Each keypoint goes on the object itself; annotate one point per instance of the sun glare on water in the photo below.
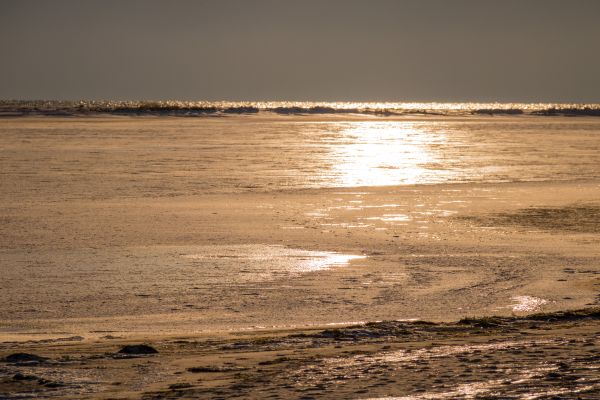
(386, 153)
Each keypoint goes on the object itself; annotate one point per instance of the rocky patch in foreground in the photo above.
(555, 355)
(138, 349)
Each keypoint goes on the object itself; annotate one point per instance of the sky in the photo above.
(320, 50)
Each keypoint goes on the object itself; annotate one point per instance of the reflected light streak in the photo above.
(387, 153)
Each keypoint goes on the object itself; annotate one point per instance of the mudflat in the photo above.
(298, 258)
(296, 290)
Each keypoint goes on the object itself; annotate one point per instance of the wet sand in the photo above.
(239, 261)
(91, 263)
(542, 356)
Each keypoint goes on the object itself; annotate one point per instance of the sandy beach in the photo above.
(271, 279)
(542, 356)
(300, 200)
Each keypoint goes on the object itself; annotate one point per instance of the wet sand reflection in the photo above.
(387, 153)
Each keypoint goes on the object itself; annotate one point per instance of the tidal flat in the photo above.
(299, 257)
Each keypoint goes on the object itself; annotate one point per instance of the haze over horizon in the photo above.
(462, 50)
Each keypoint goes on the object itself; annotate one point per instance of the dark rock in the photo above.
(23, 357)
(553, 376)
(138, 349)
(51, 384)
(176, 386)
(275, 361)
(20, 377)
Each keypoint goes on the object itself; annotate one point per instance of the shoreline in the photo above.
(557, 354)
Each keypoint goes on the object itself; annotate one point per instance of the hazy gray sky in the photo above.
(421, 50)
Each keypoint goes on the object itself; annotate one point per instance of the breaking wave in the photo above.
(15, 108)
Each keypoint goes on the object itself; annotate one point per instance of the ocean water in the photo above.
(216, 108)
(129, 157)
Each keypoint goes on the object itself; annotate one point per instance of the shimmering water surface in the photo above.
(167, 277)
(114, 157)
(212, 108)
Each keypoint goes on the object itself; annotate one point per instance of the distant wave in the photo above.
(15, 108)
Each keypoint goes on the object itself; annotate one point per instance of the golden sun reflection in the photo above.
(387, 153)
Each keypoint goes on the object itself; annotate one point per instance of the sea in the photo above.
(168, 148)
(203, 108)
